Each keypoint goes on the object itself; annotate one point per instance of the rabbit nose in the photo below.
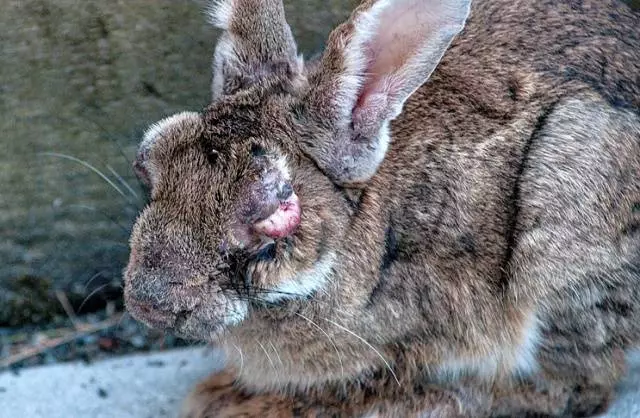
(148, 313)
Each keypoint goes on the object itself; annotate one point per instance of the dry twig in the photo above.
(66, 305)
(80, 330)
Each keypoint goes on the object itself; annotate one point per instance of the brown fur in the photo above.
(509, 197)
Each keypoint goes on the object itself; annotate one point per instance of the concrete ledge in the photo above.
(139, 386)
(154, 385)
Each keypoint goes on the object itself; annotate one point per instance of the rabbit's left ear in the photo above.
(256, 41)
(372, 64)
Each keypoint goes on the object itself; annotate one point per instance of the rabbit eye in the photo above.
(258, 151)
(212, 156)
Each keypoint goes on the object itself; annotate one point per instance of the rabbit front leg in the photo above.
(221, 396)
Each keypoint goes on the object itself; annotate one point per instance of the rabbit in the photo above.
(438, 217)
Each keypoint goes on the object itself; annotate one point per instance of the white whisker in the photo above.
(86, 299)
(328, 337)
(368, 345)
(95, 276)
(268, 356)
(123, 182)
(277, 355)
(89, 166)
(241, 359)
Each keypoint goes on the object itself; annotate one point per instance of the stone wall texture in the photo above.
(79, 82)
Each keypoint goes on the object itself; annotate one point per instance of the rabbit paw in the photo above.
(437, 403)
(219, 397)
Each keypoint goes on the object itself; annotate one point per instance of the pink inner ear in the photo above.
(403, 30)
(400, 30)
(399, 33)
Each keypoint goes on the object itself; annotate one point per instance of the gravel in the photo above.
(86, 338)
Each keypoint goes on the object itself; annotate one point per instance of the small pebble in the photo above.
(89, 339)
(138, 341)
(38, 338)
(49, 359)
(102, 393)
(106, 343)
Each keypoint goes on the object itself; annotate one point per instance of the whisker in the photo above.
(96, 290)
(123, 182)
(241, 359)
(335, 347)
(124, 314)
(87, 165)
(95, 276)
(328, 337)
(268, 356)
(277, 355)
(368, 345)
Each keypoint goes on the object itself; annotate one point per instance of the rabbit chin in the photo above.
(205, 324)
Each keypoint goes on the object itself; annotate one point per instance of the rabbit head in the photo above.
(246, 198)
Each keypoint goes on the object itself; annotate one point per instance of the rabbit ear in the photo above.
(256, 41)
(372, 64)
(384, 52)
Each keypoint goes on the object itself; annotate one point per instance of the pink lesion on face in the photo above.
(269, 208)
(283, 221)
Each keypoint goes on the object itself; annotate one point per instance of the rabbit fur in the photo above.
(437, 217)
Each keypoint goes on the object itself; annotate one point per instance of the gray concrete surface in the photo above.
(153, 386)
(139, 386)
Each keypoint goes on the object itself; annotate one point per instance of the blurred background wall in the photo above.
(80, 80)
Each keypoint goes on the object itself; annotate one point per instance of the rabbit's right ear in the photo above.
(256, 41)
(372, 64)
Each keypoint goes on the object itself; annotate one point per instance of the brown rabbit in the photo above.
(365, 236)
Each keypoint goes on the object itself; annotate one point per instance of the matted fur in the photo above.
(488, 266)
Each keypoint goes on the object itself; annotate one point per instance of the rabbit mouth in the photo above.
(204, 321)
(283, 221)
